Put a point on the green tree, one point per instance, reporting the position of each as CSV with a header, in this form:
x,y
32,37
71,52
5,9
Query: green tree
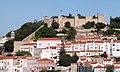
x,y
26,29
115,22
100,25
67,24
89,25
45,32
64,31
75,58
109,68
104,55
23,53
71,34
9,46
55,25
64,59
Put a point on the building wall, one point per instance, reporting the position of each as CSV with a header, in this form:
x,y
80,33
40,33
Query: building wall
x,y
76,22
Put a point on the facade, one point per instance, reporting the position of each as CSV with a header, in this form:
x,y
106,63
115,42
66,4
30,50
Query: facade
x,y
75,21
18,64
46,64
28,47
47,42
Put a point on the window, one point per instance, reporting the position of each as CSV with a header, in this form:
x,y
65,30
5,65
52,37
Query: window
x,y
117,50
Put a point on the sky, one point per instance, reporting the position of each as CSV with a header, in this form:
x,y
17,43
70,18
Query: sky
x,y
14,13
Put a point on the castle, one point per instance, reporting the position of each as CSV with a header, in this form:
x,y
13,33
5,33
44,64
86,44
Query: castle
x,y
76,21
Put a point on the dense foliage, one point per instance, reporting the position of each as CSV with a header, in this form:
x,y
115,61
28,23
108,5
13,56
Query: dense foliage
x,y
45,32
23,53
55,25
115,22
67,24
9,45
71,34
109,68
65,59
111,32
89,25
25,30
100,25
104,55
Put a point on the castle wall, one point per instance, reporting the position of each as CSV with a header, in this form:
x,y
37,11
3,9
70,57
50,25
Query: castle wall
x,y
76,22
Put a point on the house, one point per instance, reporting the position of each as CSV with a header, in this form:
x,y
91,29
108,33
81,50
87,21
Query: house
x,y
46,64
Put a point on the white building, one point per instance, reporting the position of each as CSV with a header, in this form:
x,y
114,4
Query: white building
x,y
28,47
47,42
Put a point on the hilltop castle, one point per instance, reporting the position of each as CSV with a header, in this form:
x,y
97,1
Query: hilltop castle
x,y
76,21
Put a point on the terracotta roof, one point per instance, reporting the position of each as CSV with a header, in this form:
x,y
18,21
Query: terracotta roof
x,y
28,44
116,67
116,63
1,57
106,59
10,57
99,66
87,64
53,47
49,39
45,59
93,62
116,41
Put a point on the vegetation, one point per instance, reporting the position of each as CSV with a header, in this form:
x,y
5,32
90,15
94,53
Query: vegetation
x,y
100,26
67,25
115,22
9,46
64,31
104,55
55,25
71,34
89,25
45,32
65,59
111,32
109,68
80,16
25,30
23,53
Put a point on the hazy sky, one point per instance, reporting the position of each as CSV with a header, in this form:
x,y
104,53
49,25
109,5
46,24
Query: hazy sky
x,y
14,13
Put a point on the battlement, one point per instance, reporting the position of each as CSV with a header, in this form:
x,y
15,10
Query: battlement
x,y
75,21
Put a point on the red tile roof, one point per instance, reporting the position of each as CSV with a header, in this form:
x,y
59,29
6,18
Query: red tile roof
x,y
49,39
99,66
28,44
116,67
87,64
106,59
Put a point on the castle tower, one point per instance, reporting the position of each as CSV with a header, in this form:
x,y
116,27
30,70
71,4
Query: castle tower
x,y
12,35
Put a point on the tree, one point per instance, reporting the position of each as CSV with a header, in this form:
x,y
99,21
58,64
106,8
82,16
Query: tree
x,y
64,59
75,58
23,53
26,29
100,25
55,25
71,34
9,45
64,31
89,25
67,24
104,55
109,68
45,32
115,22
